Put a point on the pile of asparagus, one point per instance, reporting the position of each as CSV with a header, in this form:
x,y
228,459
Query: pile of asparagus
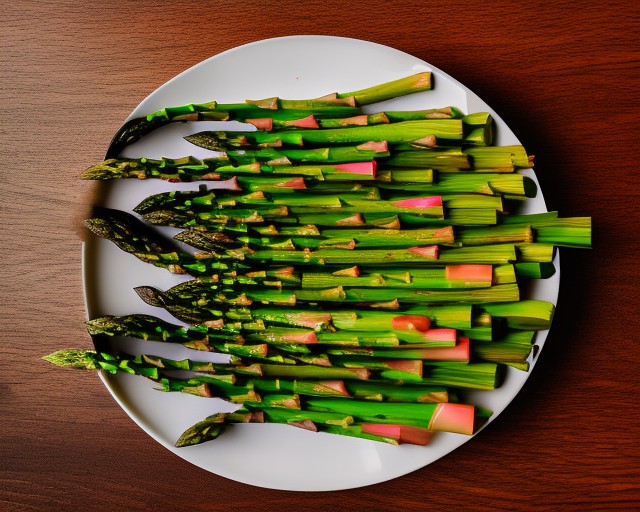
x,y
360,270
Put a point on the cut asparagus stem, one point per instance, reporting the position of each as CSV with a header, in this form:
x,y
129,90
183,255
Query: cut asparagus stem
x,y
549,229
457,183
213,426
535,270
417,318
451,418
499,156
515,354
526,314
535,252
203,205
392,116
474,375
495,254
346,256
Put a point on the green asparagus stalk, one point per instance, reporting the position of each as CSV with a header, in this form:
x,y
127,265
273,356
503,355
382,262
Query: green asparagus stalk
x,y
535,252
483,158
220,384
452,217
402,132
421,415
392,392
505,352
526,314
457,183
396,88
333,105
150,328
488,157
474,375
500,293
551,230
282,156
385,433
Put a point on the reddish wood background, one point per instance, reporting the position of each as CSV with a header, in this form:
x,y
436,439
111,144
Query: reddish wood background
x,y
564,76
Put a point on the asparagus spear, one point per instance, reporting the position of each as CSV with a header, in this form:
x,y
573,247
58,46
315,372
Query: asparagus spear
x,y
457,183
402,132
484,158
526,314
334,105
192,169
213,426
333,416
451,276
549,229
459,352
205,203
391,116
220,383
333,154
313,237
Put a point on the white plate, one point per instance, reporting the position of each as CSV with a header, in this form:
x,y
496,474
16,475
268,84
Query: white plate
x,y
272,456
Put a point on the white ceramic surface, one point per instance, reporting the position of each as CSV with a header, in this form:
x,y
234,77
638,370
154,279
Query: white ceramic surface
x,y
272,456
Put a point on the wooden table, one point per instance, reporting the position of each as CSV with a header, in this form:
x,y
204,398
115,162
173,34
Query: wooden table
x,y
563,75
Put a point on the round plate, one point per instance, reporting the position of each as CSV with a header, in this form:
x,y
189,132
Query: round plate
x,y
272,456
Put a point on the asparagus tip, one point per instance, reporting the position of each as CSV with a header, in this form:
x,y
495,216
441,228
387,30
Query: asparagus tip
x,y
72,358
206,430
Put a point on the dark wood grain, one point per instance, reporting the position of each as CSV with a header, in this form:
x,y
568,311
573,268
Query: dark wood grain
x,y
563,75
